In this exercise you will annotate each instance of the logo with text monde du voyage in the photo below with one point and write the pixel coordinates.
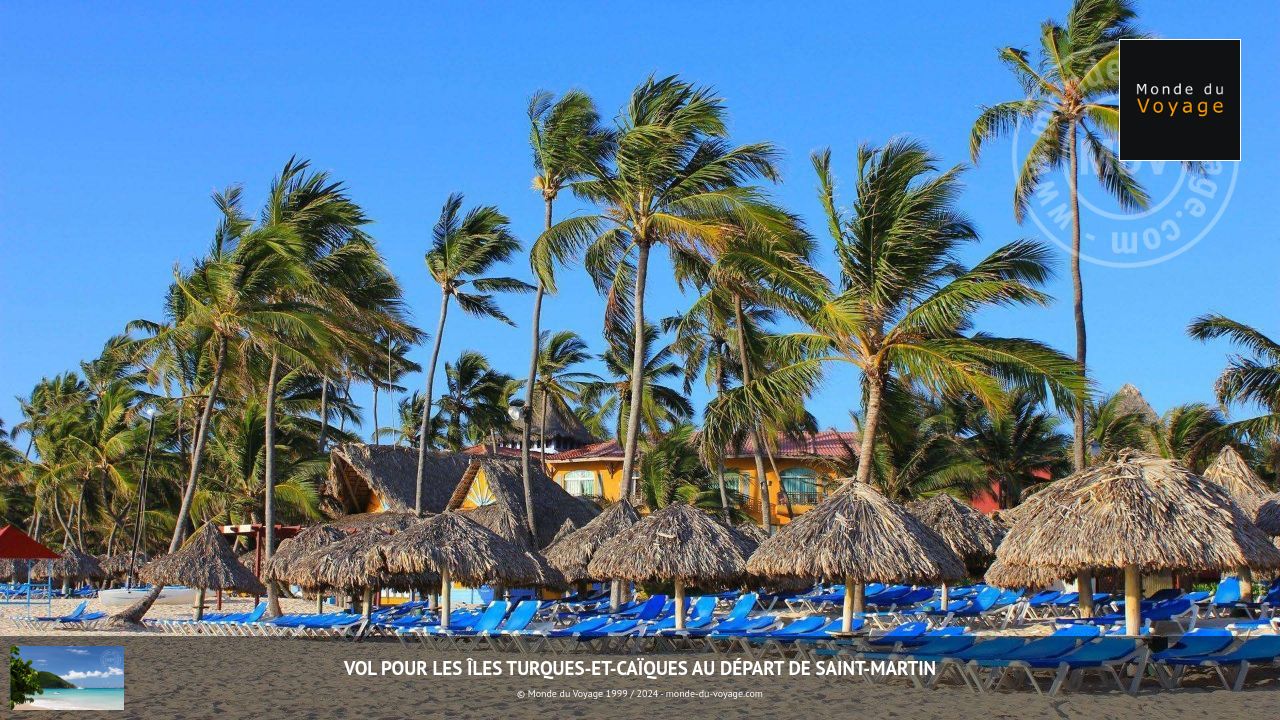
(1178, 140)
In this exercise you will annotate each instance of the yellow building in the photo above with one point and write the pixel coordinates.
(804, 469)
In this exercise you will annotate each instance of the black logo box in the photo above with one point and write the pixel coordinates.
(1157, 80)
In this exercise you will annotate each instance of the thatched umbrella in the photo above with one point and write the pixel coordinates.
(567, 528)
(205, 562)
(1137, 513)
(458, 549)
(391, 521)
(970, 534)
(293, 549)
(117, 566)
(1234, 474)
(344, 566)
(72, 564)
(861, 536)
(571, 554)
(678, 543)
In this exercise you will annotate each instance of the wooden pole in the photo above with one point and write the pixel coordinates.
(368, 602)
(1084, 584)
(445, 586)
(847, 624)
(679, 605)
(615, 595)
(1246, 584)
(1132, 601)
(859, 596)
(946, 597)
(200, 605)
(319, 603)
(219, 598)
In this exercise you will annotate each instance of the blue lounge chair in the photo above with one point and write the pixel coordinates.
(518, 621)
(1254, 651)
(1180, 611)
(531, 640)
(1103, 655)
(1201, 641)
(1059, 643)
(958, 660)
(492, 616)
(975, 608)
(1225, 596)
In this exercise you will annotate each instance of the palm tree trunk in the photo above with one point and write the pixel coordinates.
(324, 411)
(782, 490)
(637, 373)
(1077, 287)
(375, 414)
(724, 493)
(526, 432)
(133, 614)
(872, 416)
(269, 483)
(426, 404)
(744, 361)
(197, 453)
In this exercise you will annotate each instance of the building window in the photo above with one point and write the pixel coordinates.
(737, 482)
(801, 485)
(581, 483)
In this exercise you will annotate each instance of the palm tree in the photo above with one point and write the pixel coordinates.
(1191, 432)
(1078, 72)
(662, 407)
(675, 182)
(475, 403)
(1253, 377)
(385, 371)
(567, 141)
(1018, 443)
(903, 300)
(464, 247)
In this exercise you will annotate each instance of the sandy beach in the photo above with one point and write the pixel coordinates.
(185, 678)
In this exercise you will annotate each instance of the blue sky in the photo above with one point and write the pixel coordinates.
(91, 666)
(116, 126)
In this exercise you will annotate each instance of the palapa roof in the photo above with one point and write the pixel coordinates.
(552, 505)
(560, 422)
(970, 534)
(571, 554)
(472, 553)
(1129, 401)
(117, 566)
(344, 565)
(1268, 517)
(357, 471)
(389, 521)
(205, 561)
(860, 535)
(678, 542)
(1231, 471)
(1003, 575)
(71, 563)
(1137, 509)
(293, 549)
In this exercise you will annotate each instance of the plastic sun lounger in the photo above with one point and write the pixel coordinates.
(1254, 651)
(1199, 642)
(489, 620)
(531, 640)
(958, 661)
(521, 617)
(1103, 655)
(752, 640)
(1059, 643)
(1180, 611)
(782, 643)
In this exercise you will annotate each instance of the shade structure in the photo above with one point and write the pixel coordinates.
(344, 565)
(1244, 486)
(291, 550)
(117, 566)
(971, 535)
(13, 570)
(457, 548)
(861, 536)
(1268, 517)
(205, 562)
(72, 564)
(395, 521)
(567, 528)
(17, 545)
(678, 543)
(1139, 514)
(572, 554)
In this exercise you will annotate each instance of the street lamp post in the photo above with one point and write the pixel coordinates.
(150, 412)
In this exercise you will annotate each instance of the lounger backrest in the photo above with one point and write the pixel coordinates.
(1203, 641)
(1228, 591)
(652, 608)
(703, 607)
(492, 616)
(258, 611)
(522, 615)
(1168, 609)
(587, 625)
(986, 598)
(1045, 596)
(917, 595)
(743, 607)
(78, 611)
(1070, 598)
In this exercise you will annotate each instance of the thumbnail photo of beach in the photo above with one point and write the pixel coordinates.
(66, 677)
